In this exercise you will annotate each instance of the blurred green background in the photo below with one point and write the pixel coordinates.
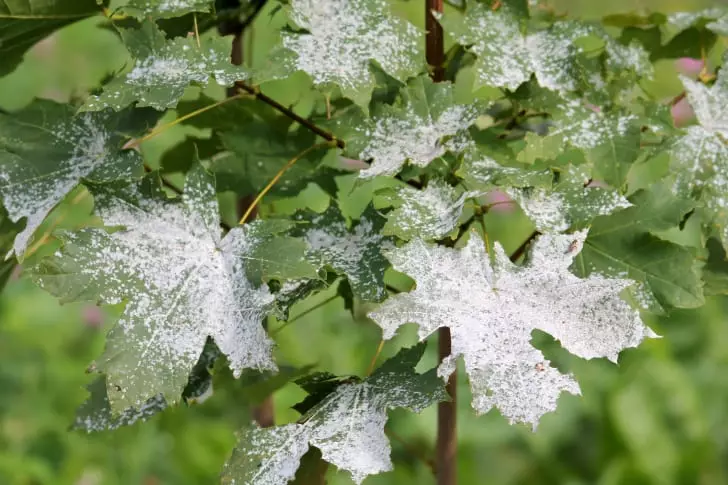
(660, 417)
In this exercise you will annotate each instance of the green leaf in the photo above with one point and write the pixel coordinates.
(163, 69)
(182, 283)
(413, 129)
(23, 24)
(611, 141)
(572, 202)
(46, 150)
(429, 213)
(622, 244)
(347, 426)
(506, 57)
(354, 252)
(96, 415)
(164, 9)
(700, 158)
(491, 307)
(257, 151)
(8, 231)
(336, 42)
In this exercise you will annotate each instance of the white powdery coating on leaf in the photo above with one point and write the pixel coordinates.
(700, 157)
(544, 208)
(173, 6)
(344, 36)
(182, 284)
(396, 139)
(492, 308)
(34, 197)
(349, 252)
(587, 128)
(430, 213)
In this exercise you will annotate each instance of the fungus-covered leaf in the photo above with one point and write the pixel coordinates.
(182, 283)
(46, 150)
(411, 130)
(164, 68)
(340, 38)
(570, 202)
(429, 213)
(355, 252)
(162, 9)
(491, 308)
(610, 141)
(506, 57)
(700, 157)
(622, 245)
(347, 426)
(23, 24)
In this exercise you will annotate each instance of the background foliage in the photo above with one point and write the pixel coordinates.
(658, 418)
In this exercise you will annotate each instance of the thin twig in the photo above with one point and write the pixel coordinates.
(277, 177)
(135, 142)
(255, 91)
(303, 314)
(197, 30)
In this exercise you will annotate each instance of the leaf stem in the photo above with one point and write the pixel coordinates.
(197, 29)
(373, 362)
(303, 314)
(133, 143)
(277, 177)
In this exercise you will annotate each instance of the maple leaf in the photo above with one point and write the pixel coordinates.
(181, 280)
(163, 9)
(570, 202)
(700, 157)
(347, 426)
(163, 69)
(609, 140)
(491, 309)
(411, 130)
(339, 40)
(25, 23)
(506, 57)
(430, 213)
(46, 150)
(355, 252)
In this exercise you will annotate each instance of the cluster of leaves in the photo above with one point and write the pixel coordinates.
(550, 112)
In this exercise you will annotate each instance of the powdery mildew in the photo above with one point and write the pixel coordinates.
(571, 201)
(700, 157)
(492, 307)
(507, 57)
(166, 8)
(164, 68)
(344, 36)
(356, 253)
(73, 148)
(410, 136)
(347, 426)
(182, 283)
(430, 213)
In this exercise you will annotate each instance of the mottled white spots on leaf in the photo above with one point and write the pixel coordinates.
(507, 56)
(347, 426)
(491, 308)
(700, 157)
(45, 151)
(164, 68)
(342, 38)
(430, 213)
(165, 8)
(181, 281)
